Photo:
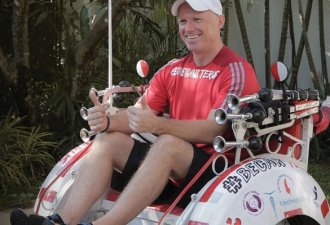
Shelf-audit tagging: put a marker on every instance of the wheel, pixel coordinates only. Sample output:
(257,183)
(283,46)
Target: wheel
(299,220)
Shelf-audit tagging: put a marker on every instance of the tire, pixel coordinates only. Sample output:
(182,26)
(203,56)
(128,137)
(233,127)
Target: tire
(299,220)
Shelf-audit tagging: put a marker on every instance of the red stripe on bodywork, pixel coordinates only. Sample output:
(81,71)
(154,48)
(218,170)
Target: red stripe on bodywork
(207,194)
(50,196)
(196,223)
(325,208)
(294,212)
(74,159)
(163,207)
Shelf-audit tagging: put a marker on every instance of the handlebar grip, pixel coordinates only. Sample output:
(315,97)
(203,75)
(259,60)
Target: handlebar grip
(255,143)
(302,95)
(257,111)
(258,115)
(309,95)
(265,94)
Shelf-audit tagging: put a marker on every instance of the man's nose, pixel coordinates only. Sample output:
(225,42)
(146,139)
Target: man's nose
(190,26)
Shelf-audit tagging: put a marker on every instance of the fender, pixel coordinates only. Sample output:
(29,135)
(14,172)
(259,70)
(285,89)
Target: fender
(59,181)
(269,188)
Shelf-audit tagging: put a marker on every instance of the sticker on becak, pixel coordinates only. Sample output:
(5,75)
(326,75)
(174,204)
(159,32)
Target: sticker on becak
(237,221)
(279,71)
(142,68)
(253,203)
(286,185)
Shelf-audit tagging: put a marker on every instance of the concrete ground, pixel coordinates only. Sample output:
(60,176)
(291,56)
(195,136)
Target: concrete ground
(5,215)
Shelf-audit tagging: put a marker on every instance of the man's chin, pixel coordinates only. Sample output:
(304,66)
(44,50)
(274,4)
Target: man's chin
(192,47)
(195,50)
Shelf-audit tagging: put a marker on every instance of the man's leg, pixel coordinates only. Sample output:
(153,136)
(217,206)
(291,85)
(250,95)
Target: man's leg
(107,151)
(168,157)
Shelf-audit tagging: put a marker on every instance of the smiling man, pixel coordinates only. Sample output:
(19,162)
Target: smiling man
(200,31)
(192,89)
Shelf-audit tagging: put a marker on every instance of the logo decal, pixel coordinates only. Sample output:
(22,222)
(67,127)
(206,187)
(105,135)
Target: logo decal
(195,73)
(232,184)
(285,185)
(230,221)
(249,171)
(315,193)
(294,212)
(287,188)
(272,201)
(325,208)
(253,203)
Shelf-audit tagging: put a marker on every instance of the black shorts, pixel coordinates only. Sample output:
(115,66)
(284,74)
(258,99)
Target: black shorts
(171,191)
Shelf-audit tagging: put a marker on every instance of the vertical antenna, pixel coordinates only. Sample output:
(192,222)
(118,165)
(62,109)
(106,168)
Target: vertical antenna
(110,48)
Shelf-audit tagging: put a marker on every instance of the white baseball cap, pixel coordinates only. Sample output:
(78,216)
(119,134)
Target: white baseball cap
(199,5)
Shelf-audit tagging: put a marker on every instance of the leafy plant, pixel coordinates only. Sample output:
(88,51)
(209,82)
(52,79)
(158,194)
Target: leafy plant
(23,153)
(320,172)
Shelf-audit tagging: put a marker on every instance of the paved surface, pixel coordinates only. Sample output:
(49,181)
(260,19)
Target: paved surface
(5,215)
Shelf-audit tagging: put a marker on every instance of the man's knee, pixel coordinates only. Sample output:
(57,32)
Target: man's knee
(114,146)
(171,145)
(177,152)
(113,140)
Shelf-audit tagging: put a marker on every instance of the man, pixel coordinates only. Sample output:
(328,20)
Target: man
(192,88)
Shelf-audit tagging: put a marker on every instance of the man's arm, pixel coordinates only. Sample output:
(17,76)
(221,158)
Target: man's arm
(195,131)
(143,119)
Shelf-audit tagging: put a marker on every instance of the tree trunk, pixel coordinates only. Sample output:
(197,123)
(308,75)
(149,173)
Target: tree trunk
(84,55)
(297,60)
(118,11)
(311,63)
(243,32)
(292,35)
(322,49)
(267,46)
(226,27)
(284,32)
(172,40)
(23,88)
(8,74)
(20,33)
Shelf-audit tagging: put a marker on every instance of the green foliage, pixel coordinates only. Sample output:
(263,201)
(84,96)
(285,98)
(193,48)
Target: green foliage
(320,146)
(64,120)
(23,153)
(320,172)
(20,196)
(149,32)
(143,33)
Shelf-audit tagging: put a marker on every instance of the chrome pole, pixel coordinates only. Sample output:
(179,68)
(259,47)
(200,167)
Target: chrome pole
(110,48)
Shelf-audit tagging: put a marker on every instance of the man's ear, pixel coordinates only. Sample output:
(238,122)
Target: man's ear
(222,21)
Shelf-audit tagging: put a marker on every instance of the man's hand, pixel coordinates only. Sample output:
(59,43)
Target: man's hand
(142,120)
(97,118)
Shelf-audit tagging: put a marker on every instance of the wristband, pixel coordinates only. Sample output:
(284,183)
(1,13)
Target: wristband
(108,124)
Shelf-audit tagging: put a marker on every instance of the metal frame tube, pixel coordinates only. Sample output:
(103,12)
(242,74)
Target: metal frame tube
(110,48)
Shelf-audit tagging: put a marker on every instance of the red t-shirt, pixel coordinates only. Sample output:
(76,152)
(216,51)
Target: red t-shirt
(189,92)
